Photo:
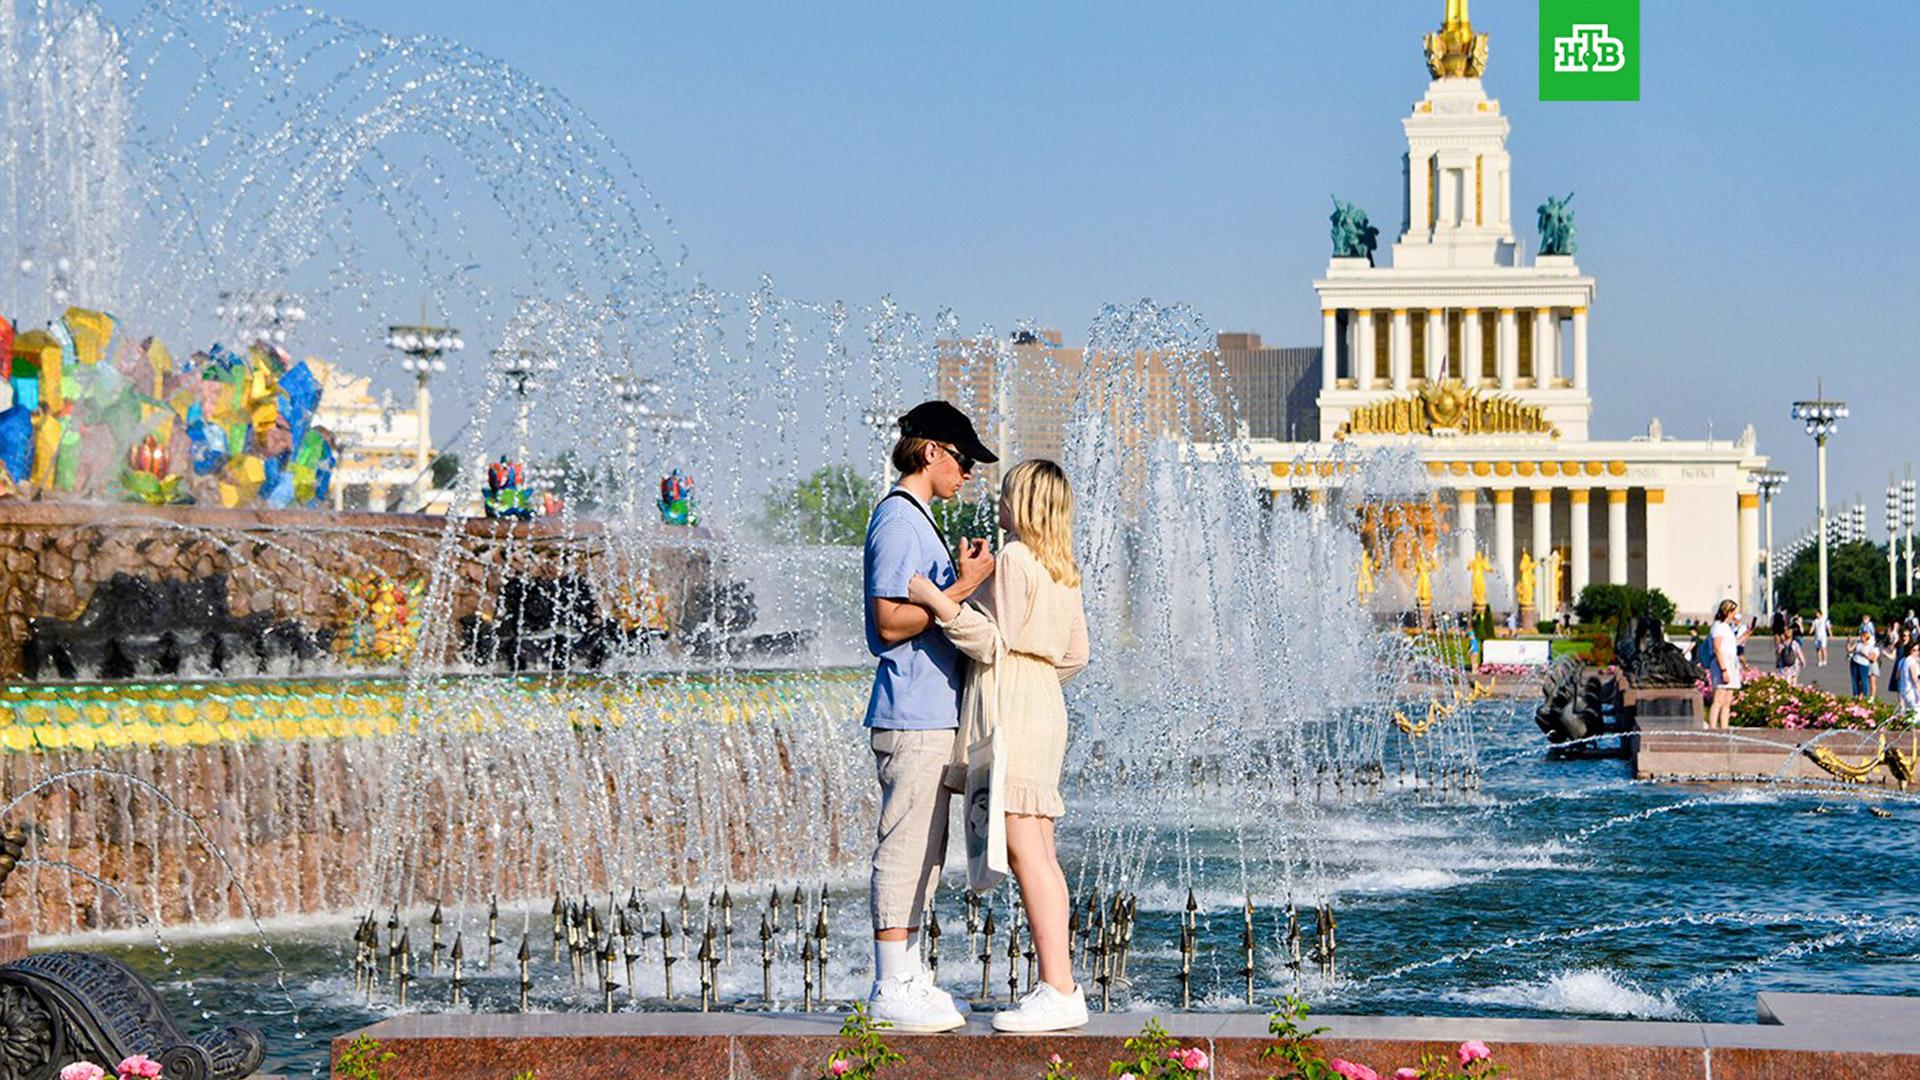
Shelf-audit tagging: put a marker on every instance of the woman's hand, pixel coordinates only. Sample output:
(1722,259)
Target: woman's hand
(921,590)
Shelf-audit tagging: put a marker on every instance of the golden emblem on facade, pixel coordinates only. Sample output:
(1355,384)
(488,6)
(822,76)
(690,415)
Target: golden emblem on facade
(1449,406)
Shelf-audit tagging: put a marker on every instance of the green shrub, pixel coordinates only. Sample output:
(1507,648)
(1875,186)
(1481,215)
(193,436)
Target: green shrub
(1603,603)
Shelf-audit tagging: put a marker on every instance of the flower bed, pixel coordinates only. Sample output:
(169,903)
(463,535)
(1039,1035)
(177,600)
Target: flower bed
(1770,702)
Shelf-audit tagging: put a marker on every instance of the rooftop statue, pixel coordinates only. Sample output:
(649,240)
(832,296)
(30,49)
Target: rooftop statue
(1353,237)
(1456,52)
(1556,226)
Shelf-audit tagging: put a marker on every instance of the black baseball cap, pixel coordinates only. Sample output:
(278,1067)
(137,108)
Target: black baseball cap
(941,422)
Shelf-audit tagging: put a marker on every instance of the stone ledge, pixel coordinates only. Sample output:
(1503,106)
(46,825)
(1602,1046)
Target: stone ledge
(1803,1035)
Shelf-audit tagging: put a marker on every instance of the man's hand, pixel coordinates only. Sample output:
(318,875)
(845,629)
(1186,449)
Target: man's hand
(974,567)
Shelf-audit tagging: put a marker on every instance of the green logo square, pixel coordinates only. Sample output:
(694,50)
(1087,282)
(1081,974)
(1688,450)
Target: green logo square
(1589,50)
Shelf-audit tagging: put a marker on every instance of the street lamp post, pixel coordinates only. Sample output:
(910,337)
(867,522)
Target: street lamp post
(1893,539)
(1769,481)
(522,368)
(633,393)
(1821,416)
(423,351)
(1906,527)
(261,316)
(879,421)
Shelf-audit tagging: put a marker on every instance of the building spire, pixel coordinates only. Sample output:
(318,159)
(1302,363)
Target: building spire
(1456,52)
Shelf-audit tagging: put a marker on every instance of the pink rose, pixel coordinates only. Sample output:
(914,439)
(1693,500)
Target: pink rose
(1471,1051)
(1194,1059)
(1404,1073)
(1352,1070)
(83,1070)
(139,1065)
(1056,1060)
(839,1066)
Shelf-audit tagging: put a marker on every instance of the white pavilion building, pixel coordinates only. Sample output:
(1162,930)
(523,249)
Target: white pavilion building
(1479,359)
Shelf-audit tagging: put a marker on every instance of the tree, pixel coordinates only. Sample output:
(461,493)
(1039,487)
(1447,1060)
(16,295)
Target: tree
(443,470)
(1856,578)
(828,507)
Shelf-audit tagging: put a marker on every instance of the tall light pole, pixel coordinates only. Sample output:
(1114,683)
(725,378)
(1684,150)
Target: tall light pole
(1906,527)
(522,368)
(880,421)
(423,350)
(1820,417)
(1893,539)
(261,316)
(1769,481)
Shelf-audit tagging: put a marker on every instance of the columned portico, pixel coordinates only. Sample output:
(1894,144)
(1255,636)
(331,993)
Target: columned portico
(1580,526)
(1543,549)
(1472,362)
(1656,536)
(1402,346)
(1436,345)
(1580,349)
(1330,350)
(1749,549)
(1503,534)
(1616,536)
(1509,350)
(1544,358)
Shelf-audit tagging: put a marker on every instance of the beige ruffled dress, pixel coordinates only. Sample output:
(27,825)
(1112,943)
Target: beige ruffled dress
(1026,635)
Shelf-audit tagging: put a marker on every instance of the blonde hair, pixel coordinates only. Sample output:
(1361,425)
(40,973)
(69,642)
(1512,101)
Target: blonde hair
(1040,509)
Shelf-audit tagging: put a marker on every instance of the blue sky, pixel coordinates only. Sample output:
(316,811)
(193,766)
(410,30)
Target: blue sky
(1752,221)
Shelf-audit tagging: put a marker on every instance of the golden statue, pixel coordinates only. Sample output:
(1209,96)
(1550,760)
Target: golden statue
(1363,583)
(1524,587)
(1479,566)
(1456,51)
(1557,566)
(1423,581)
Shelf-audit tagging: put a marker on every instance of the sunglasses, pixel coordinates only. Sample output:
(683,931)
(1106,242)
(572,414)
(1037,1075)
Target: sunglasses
(960,458)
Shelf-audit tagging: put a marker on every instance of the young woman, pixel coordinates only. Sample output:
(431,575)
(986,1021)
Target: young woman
(1026,638)
(1863,664)
(1788,657)
(1723,642)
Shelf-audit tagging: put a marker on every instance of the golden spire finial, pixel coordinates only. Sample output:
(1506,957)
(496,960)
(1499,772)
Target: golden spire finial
(1456,51)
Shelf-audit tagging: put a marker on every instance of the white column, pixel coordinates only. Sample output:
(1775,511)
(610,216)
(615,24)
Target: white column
(1579,348)
(1749,548)
(1657,539)
(1509,357)
(1329,348)
(1465,527)
(1364,348)
(1503,539)
(1616,536)
(1544,361)
(1470,346)
(1402,355)
(1579,524)
(1543,600)
(1436,345)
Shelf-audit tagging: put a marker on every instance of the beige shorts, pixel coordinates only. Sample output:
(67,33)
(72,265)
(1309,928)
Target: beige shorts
(911,841)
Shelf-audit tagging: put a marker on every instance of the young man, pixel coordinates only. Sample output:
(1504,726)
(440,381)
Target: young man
(914,709)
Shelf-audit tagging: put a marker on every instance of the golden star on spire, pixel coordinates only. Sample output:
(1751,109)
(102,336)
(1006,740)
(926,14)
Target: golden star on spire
(1456,52)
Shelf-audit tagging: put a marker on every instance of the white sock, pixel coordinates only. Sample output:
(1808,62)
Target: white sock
(892,960)
(913,951)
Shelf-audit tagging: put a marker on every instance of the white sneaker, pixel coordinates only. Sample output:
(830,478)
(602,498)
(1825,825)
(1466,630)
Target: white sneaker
(959,1003)
(1044,1009)
(909,1003)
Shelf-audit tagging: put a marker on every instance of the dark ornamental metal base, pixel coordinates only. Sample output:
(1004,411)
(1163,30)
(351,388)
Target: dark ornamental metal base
(61,1007)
